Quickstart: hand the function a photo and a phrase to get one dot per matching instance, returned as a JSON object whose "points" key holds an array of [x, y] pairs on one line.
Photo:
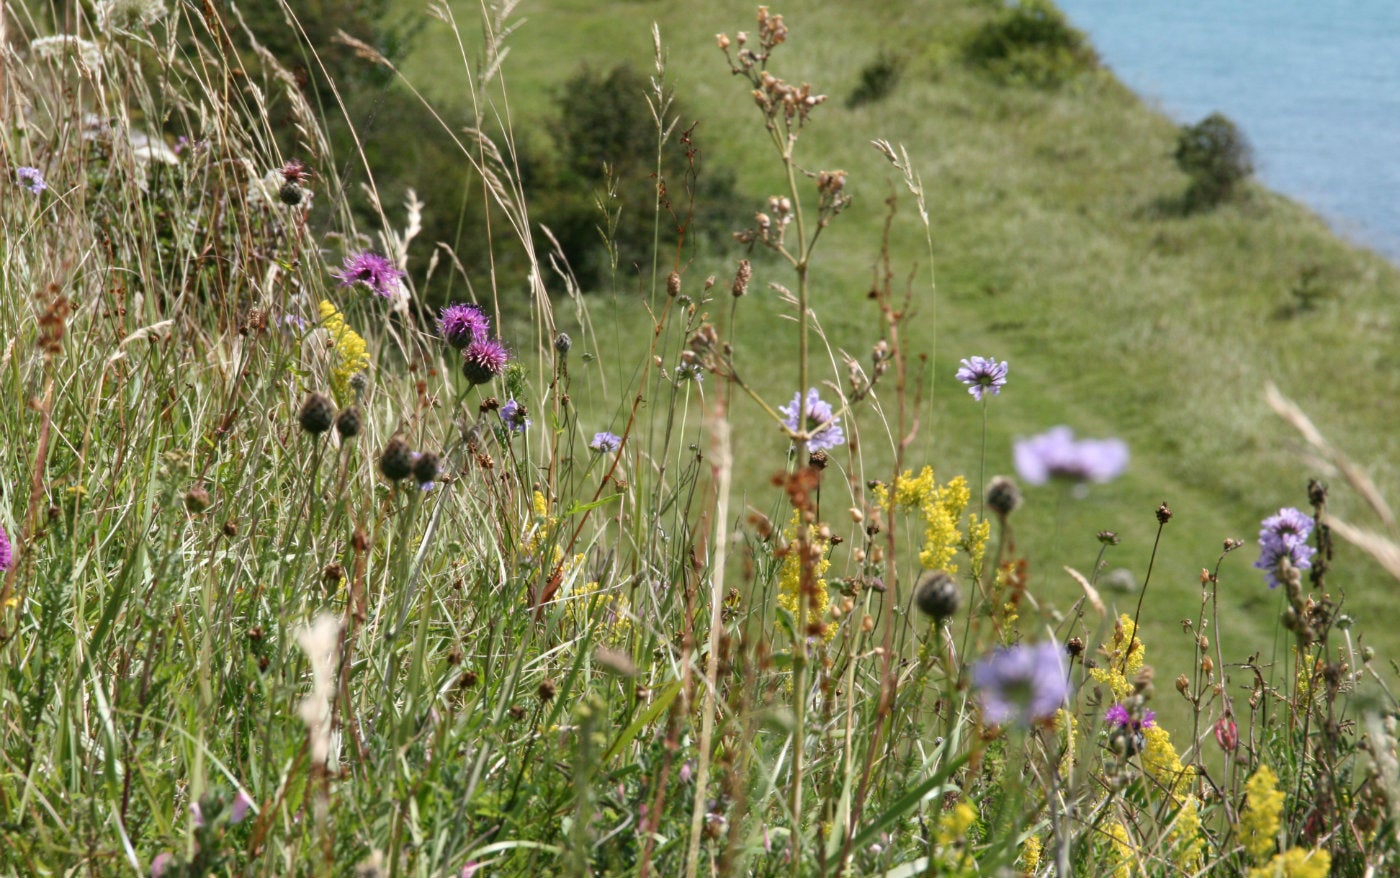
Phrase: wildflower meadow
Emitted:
{"points": [[329, 550]]}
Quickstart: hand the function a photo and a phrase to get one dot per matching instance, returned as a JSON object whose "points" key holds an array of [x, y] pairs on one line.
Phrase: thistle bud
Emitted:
{"points": [[396, 460], [317, 414], [937, 596]]}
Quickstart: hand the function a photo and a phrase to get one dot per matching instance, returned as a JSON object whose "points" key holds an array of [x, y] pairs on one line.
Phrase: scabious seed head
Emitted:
{"points": [[396, 460], [317, 414], [937, 595], [1003, 496]]}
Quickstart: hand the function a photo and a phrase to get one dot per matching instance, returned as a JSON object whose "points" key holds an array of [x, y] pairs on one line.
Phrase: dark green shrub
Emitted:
{"points": [[877, 80], [600, 192], [1217, 157], [1030, 42]]}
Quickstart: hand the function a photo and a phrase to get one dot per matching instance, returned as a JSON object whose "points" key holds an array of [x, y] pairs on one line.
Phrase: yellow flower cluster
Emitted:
{"points": [[542, 530], [954, 823], [611, 609], [1259, 823], [790, 579], [1307, 667], [351, 353], [1164, 766], [1113, 671], [1120, 853], [1295, 863], [1187, 845], [941, 507], [1030, 854]]}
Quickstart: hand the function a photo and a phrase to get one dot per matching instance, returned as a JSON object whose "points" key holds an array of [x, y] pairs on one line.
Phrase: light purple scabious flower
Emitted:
{"points": [[372, 270], [6, 551], [31, 179], [1021, 685], [983, 375], [605, 442], [1056, 454], [1118, 715], [484, 359], [461, 324], [513, 416], [820, 421], [1285, 536]]}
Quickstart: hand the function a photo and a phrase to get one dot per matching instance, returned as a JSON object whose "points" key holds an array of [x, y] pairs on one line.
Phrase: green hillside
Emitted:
{"points": [[1059, 246]]}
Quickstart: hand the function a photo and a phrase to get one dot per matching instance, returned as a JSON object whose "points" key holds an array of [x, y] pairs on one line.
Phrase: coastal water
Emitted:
{"points": [[1314, 85]]}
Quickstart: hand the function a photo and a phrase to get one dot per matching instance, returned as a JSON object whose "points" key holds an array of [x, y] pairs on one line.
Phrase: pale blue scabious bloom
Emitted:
{"points": [[1056, 454], [983, 375], [31, 179], [605, 442], [512, 414], [1021, 685], [1285, 536], [820, 421]]}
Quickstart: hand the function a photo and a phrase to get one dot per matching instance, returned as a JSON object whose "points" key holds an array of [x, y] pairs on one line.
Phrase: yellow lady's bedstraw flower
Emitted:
{"points": [[790, 579], [1258, 827], [1295, 863], [351, 355]]}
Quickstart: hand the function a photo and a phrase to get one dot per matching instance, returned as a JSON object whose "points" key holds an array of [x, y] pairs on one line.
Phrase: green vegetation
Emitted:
{"points": [[308, 578], [1216, 156]]}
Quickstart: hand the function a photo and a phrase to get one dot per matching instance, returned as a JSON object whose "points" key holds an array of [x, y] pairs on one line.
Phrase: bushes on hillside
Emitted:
{"points": [[1217, 157], [877, 80], [600, 192], [1030, 42]]}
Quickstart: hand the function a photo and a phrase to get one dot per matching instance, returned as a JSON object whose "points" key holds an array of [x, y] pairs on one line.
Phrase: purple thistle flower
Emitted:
{"points": [[605, 442], [462, 324], [6, 552], [1021, 684], [820, 421], [1118, 715], [372, 270], [513, 416], [31, 179], [1056, 454], [983, 375], [1285, 536], [484, 359]]}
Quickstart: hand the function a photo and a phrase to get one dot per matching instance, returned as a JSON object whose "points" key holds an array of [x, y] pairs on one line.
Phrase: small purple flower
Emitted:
{"points": [[513, 416], [163, 861], [817, 418], [242, 804], [983, 375], [6, 552], [372, 270], [1056, 454], [1021, 685], [462, 324], [1118, 715], [1285, 536], [605, 442], [483, 360], [31, 179]]}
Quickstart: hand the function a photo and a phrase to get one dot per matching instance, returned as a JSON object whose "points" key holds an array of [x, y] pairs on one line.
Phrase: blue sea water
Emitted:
{"points": [[1314, 84]]}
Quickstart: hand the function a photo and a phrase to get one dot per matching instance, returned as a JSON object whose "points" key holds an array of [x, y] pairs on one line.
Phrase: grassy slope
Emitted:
{"points": [[1055, 249]]}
